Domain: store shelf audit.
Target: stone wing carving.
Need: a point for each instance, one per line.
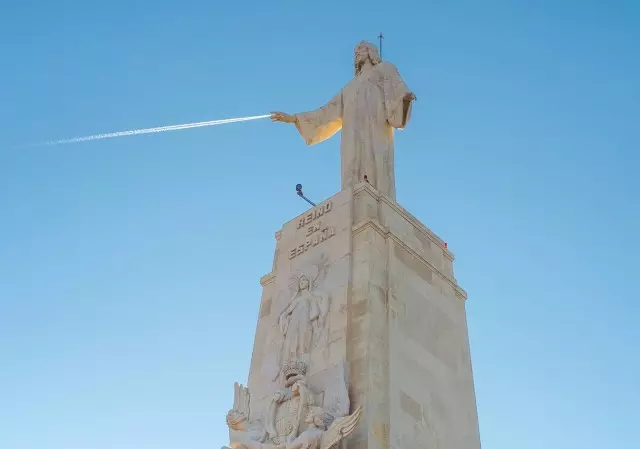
(321, 270)
(336, 395)
(341, 428)
(239, 414)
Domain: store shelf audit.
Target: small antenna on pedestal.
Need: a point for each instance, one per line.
(380, 37)
(301, 195)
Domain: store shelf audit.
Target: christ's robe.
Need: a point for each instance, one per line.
(367, 109)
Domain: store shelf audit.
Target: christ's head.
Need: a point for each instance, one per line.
(364, 52)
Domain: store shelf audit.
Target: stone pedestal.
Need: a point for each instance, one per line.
(383, 315)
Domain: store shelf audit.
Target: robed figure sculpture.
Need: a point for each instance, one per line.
(367, 110)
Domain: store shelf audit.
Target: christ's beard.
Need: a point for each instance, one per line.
(361, 62)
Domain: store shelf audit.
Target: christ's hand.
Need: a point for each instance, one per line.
(282, 117)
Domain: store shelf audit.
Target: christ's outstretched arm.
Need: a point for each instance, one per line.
(317, 125)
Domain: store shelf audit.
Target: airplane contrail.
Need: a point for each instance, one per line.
(159, 129)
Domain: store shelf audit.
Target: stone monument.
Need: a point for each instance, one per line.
(361, 340)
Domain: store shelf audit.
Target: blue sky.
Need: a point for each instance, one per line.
(129, 267)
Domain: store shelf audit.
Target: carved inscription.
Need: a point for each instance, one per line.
(315, 214)
(316, 232)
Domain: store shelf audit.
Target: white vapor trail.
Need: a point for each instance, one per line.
(159, 129)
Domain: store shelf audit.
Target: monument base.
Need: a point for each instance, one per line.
(364, 297)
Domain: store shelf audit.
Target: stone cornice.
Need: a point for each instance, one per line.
(386, 233)
(267, 278)
(370, 223)
(407, 216)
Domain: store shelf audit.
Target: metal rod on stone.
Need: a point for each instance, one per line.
(301, 195)
(380, 37)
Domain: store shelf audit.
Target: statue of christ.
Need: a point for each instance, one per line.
(367, 109)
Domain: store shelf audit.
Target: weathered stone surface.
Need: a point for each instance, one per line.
(413, 263)
(265, 308)
(410, 406)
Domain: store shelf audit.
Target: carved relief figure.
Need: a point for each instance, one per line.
(302, 326)
(293, 421)
(367, 110)
(316, 436)
(304, 316)
(311, 438)
(289, 406)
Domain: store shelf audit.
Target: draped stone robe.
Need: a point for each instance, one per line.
(366, 110)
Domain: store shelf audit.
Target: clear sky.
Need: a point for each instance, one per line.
(129, 267)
